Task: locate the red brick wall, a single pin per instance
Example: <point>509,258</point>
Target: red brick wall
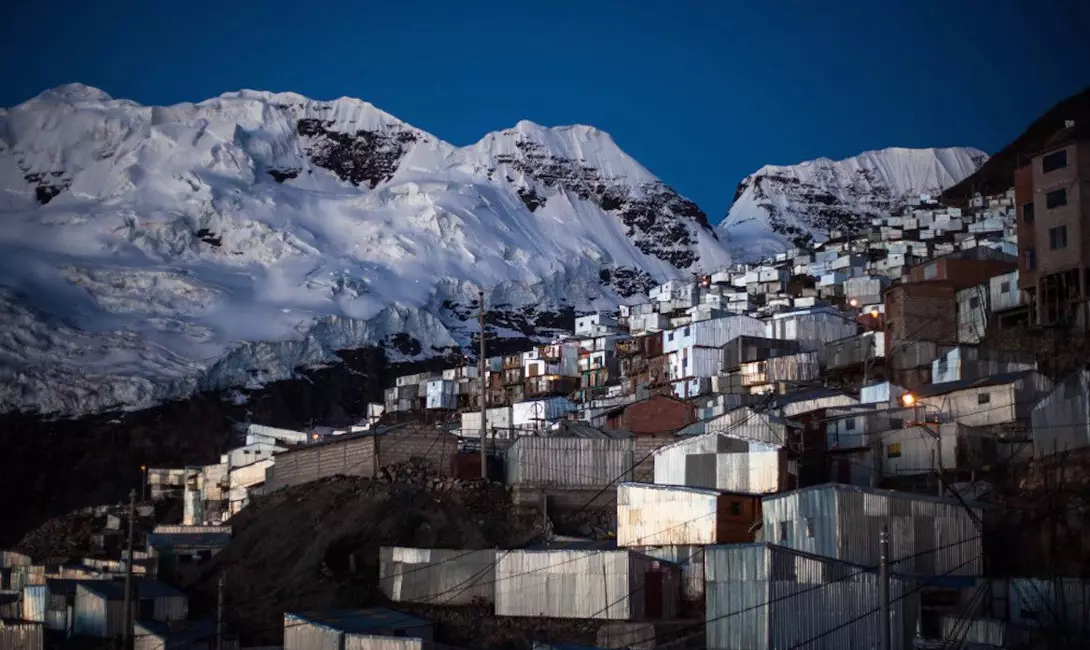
<point>1023,193</point>
<point>655,415</point>
<point>926,311</point>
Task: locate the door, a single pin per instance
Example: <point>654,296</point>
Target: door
<point>653,591</point>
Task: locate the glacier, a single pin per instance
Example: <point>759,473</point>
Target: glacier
<point>148,252</point>
<point>780,206</point>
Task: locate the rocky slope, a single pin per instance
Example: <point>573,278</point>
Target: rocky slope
<point>147,253</point>
<point>782,206</point>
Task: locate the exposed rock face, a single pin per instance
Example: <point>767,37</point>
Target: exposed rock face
<point>361,157</point>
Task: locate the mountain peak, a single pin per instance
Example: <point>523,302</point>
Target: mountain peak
<point>72,93</point>
<point>780,206</point>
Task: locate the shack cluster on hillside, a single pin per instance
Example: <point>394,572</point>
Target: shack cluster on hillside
<point>748,433</point>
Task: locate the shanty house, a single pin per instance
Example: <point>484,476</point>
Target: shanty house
<point>995,400</point>
<point>585,580</point>
<point>723,461</point>
<point>100,606</point>
<point>1061,421</point>
<point>185,635</point>
<point>375,628</point>
<point>663,515</point>
<point>764,596</point>
<point>928,535</point>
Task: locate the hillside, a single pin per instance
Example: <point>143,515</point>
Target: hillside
<point>997,174</point>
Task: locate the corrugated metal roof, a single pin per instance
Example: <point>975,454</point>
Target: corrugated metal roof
<point>361,621</point>
<point>803,395</point>
<point>964,384</point>
<point>895,494</point>
<point>574,429</point>
<point>191,631</point>
<point>192,540</point>
<point>144,588</point>
<point>376,431</point>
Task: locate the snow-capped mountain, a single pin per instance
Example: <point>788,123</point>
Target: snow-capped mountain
<point>149,252</point>
<point>781,206</point>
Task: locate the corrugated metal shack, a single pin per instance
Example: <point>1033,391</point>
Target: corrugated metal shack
<point>791,368</point>
<point>437,576</point>
<point>747,349</point>
<point>585,580</point>
<point>766,596</point>
<point>690,559</point>
<point>100,606</point>
<point>660,515</point>
<point>1061,421</point>
<point>721,461</point>
<point>1061,604</point>
<point>184,635</point>
<point>175,545</point>
<point>359,629</point>
<point>927,449</point>
<point>569,462</point>
<point>995,400</point>
<point>933,536</point>
<point>855,350</point>
<point>21,635</point>
<point>363,454</point>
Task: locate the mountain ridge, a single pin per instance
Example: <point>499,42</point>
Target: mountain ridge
<point>780,206</point>
<point>228,242</point>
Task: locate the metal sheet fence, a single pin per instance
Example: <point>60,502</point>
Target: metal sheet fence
<point>569,462</point>
<point>457,577</point>
<point>563,584</point>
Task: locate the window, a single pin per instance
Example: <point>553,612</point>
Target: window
<point>1027,212</point>
<point>1030,255</point>
<point>849,424</point>
<point>974,303</point>
<point>736,508</point>
<point>1054,161</point>
<point>984,398</point>
<point>893,450</point>
<point>810,527</point>
<point>783,531</point>
<point>1005,287</point>
<point>930,271</point>
<point>686,332</point>
<point>1057,237</point>
<point>670,336</point>
<point>1056,199</point>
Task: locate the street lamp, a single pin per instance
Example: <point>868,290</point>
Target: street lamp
<point>853,303</point>
<point>908,399</point>
<point>144,483</point>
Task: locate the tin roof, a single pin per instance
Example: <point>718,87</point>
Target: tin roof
<point>189,540</point>
<point>686,488</point>
<point>144,588</point>
<point>896,494</point>
<point>376,431</point>
<point>192,630</point>
<point>965,384</point>
<point>361,621</point>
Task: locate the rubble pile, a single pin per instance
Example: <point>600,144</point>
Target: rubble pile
<point>316,546</point>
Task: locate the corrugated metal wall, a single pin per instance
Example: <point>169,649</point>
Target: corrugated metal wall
<point>19,635</point>
<point>691,560</point>
<point>1062,604</point>
<point>938,535</point>
<point>301,634</point>
<point>97,616</point>
<point>649,515</point>
<point>761,597</point>
<point>1061,420</point>
<point>437,576</point>
<point>353,457</point>
<point>569,462</point>
<point>563,584</point>
<point>375,642</point>
<point>35,603</point>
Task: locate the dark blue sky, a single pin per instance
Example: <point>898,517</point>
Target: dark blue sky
<point>702,93</point>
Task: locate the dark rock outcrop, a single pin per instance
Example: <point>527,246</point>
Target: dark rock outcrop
<point>362,157</point>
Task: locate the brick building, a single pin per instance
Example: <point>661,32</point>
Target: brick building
<point>924,306</point>
<point>658,415</point>
<point>1053,240</point>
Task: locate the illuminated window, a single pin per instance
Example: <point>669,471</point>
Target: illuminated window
<point>810,527</point>
<point>893,450</point>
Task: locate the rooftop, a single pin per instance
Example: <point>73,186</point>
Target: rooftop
<point>143,587</point>
<point>191,540</point>
<point>965,384</point>
<point>859,489</point>
<point>360,621</point>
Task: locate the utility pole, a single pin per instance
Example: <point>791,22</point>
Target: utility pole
<point>884,606</point>
<point>219,613</point>
<point>127,638</point>
<point>143,483</point>
<point>481,372</point>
